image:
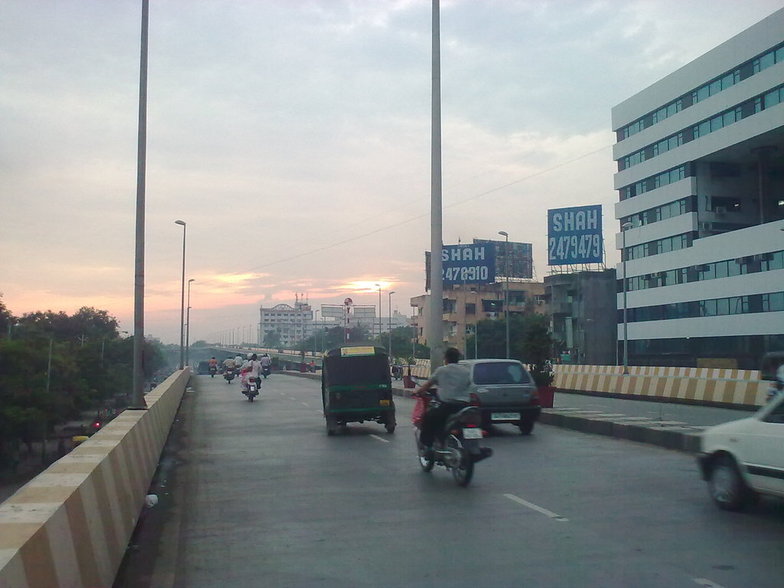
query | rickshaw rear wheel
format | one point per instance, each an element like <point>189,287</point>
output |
<point>332,425</point>
<point>390,423</point>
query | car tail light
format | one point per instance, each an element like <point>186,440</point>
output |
<point>475,400</point>
<point>534,398</point>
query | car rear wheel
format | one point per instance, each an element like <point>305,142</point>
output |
<point>726,486</point>
<point>526,427</point>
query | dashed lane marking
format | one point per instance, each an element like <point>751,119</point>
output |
<point>707,583</point>
<point>377,438</point>
<point>539,509</point>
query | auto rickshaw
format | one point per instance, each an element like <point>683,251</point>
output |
<point>356,387</point>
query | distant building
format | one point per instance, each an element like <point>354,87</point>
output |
<point>292,323</point>
<point>700,159</point>
<point>465,306</point>
<point>582,307</point>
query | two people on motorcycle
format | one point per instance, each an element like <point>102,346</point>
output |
<point>453,382</point>
<point>251,370</point>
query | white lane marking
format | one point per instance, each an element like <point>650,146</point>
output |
<point>707,583</point>
<point>539,509</point>
<point>304,404</point>
<point>377,438</point>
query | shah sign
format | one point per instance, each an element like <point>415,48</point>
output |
<point>574,235</point>
<point>465,264</point>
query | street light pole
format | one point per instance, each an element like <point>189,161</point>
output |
<point>137,393</point>
<point>315,330</point>
<point>505,235</point>
<point>182,297</point>
<point>390,323</point>
<point>379,313</point>
<point>188,322</point>
<point>625,227</point>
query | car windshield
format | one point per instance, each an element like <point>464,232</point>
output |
<point>500,372</point>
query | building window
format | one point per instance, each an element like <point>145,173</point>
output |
<point>713,87</point>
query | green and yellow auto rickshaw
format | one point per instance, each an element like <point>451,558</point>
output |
<point>356,387</point>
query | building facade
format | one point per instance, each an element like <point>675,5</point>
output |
<point>291,323</point>
<point>700,159</point>
<point>583,315</point>
<point>465,306</point>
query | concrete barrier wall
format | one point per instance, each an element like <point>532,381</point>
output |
<point>696,385</point>
<point>70,525</point>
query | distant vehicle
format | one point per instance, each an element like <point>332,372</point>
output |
<point>204,368</point>
<point>744,458</point>
<point>504,392</point>
<point>356,387</point>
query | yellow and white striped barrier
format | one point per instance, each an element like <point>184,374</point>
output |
<point>698,385</point>
<point>70,525</point>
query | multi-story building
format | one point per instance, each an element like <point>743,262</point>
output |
<point>700,179</point>
<point>582,307</point>
<point>292,323</point>
<point>465,306</point>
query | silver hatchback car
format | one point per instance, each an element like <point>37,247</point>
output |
<point>505,392</point>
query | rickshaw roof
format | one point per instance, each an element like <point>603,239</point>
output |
<point>356,350</point>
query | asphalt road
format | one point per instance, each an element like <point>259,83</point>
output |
<point>258,495</point>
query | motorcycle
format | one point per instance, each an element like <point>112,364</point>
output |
<point>252,389</point>
<point>228,374</point>
<point>266,371</point>
<point>213,370</point>
<point>456,447</point>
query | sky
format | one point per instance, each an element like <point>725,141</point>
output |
<point>293,138</point>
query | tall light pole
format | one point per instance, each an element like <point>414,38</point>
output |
<point>188,322</point>
<point>390,323</point>
<point>435,331</point>
<point>505,235</point>
<point>625,227</point>
<point>182,296</point>
<point>379,312</point>
<point>137,392</point>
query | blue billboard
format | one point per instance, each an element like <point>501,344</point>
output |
<point>468,264</point>
<point>464,264</point>
<point>574,235</point>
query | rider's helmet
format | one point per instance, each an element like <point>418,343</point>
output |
<point>249,356</point>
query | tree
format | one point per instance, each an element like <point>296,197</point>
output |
<point>272,339</point>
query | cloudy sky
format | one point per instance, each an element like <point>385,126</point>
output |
<point>293,137</point>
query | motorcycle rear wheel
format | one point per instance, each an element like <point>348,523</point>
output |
<point>425,462</point>
<point>464,470</point>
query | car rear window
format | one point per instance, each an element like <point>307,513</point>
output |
<point>500,373</point>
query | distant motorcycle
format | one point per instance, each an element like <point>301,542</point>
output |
<point>228,374</point>
<point>457,446</point>
<point>213,370</point>
<point>252,389</point>
<point>266,371</point>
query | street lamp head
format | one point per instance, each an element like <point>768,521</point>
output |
<point>503,234</point>
<point>191,280</point>
<point>179,222</point>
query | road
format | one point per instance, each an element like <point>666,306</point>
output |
<point>258,495</point>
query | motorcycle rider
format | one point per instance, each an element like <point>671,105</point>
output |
<point>777,386</point>
<point>253,367</point>
<point>266,363</point>
<point>213,365</point>
<point>453,381</point>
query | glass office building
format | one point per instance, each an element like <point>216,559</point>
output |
<point>700,181</point>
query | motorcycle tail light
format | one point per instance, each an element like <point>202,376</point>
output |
<point>471,418</point>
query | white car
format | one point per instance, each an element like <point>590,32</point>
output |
<point>744,458</point>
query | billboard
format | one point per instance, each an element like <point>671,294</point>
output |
<point>521,258</point>
<point>465,264</point>
<point>574,235</point>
